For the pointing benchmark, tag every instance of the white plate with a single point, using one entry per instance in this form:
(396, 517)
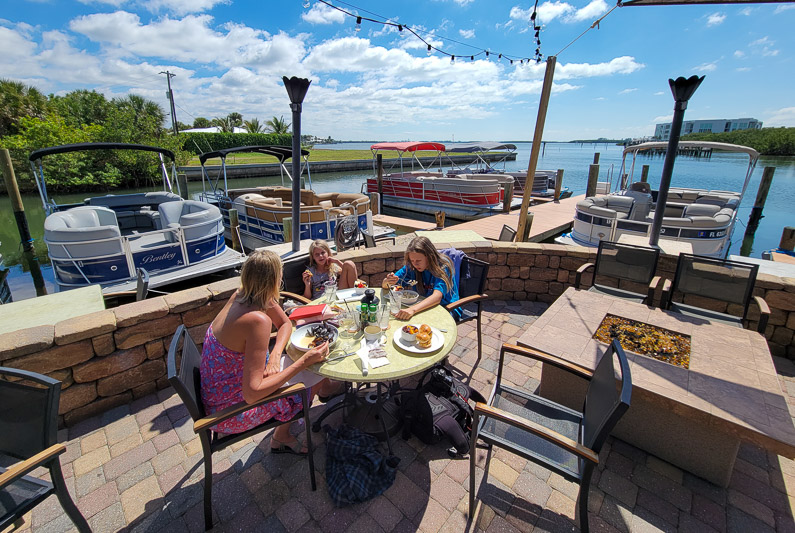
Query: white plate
(437, 341)
(348, 294)
(300, 333)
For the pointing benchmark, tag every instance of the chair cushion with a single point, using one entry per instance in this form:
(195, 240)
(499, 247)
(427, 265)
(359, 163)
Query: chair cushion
(546, 413)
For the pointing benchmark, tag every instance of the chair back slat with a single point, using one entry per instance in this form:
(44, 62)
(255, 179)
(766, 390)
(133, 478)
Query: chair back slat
(186, 381)
(28, 412)
(606, 402)
(628, 262)
(719, 279)
(472, 278)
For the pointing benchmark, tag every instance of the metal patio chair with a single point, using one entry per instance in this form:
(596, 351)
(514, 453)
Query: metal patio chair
(471, 292)
(29, 432)
(551, 435)
(186, 381)
(507, 233)
(624, 262)
(716, 279)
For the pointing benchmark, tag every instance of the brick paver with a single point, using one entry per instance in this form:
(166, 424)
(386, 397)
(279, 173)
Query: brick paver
(137, 468)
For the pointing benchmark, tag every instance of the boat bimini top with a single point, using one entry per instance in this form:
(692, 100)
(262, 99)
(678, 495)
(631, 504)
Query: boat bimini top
(413, 147)
(281, 153)
(38, 171)
(478, 149)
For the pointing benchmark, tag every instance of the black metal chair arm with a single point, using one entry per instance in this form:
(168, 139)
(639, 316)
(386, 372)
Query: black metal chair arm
(580, 272)
(468, 300)
(294, 296)
(234, 410)
(543, 357)
(764, 314)
(17, 470)
(539, 430)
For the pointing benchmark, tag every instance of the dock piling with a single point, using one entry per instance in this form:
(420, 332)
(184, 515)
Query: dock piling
(787, 239)
(16, 200)
(756, 211)
(234, 229)
(593, 177)
(644, 174)
(558, 184)
(182, 184)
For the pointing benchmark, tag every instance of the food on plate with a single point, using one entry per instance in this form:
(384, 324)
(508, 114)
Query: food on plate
(425, 328)
(408, 333)
(424, 340)
(359, 284)
(321, 333)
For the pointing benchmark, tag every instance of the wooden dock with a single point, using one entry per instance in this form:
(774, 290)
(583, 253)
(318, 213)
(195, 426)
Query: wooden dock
(550, 219)
(403, 225)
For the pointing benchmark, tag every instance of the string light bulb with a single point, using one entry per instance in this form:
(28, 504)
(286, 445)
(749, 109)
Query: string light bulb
(471, 58)
(358, 24)
(452, 59)
(400, 27)
(487, 53)
(430, 50)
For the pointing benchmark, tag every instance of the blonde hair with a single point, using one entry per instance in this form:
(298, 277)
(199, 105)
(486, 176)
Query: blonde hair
(260, 279)
(320, 243)
(436, 261)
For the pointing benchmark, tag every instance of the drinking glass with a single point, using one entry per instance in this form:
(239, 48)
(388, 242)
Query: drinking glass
(349, 327)
(394, 305)
(383, 317)
(330, 290)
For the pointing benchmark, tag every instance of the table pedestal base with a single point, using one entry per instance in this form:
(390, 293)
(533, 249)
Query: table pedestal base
(693, 445)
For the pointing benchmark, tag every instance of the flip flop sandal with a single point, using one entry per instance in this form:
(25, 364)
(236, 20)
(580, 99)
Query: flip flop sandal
(286, 448)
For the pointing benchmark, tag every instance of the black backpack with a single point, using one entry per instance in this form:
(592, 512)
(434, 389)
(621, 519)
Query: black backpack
(439, 408)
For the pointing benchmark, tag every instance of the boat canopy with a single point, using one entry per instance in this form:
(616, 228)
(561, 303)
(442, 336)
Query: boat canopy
(723, 147)
(469, 148)
(282, 153)
(408, 146)
(65, 148)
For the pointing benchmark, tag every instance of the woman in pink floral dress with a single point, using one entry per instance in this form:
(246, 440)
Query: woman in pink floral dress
(237, 364)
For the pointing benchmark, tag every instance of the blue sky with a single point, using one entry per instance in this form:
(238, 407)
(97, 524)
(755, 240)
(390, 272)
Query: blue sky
(380, 84)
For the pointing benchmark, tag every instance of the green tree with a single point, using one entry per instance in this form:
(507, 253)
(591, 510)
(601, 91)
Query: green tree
(236, 119)
(253, 126)
(201, 122)
(140, 114)
(224, 124)
(18, 100)
(81, 107)
(277, 125)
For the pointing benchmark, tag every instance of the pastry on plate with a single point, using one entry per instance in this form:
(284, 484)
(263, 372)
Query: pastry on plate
(423, 340)
(425, 328)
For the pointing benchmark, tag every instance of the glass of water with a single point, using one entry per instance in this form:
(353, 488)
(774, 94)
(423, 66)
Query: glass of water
(330, 290)
(383, 317)
(349, 327)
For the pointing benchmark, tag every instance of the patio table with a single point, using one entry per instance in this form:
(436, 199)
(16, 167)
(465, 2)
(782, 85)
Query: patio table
(402, 364)
(693, 417)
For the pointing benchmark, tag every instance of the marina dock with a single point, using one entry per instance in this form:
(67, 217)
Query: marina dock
(550, 219)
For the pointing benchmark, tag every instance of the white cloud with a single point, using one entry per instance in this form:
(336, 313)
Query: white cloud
(549, 11)
(706, 67)
(743, 69)
(783, 7)
(618, 65)
(746, 11)
(178, 7)
(739, 54)
(659, 93)
(114, 3)
(764, 46)
(467, 34)
(463, 2)
(627, 91)
(323, 14)
(715, 19)
(662, 119)
(592, 11)
(781, 117)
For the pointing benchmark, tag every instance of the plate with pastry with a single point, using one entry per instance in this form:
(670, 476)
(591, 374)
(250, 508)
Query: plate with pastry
(419, 339)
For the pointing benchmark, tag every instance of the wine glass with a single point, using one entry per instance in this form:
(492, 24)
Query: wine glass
(349, 327)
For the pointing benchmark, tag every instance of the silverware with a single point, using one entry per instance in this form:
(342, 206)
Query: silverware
(340, 356)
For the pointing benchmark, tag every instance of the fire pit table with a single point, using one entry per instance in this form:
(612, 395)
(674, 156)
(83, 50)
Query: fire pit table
(690, 411)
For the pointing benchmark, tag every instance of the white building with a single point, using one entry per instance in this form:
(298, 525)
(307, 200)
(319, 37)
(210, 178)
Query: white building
(718, 125)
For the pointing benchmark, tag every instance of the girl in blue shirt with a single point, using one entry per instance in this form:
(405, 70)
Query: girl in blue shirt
(434, 273)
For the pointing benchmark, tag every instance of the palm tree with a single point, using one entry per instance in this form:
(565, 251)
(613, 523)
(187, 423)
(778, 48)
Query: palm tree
(236, 119)
(18, 100)
(224, 124)
(144, 111)
(253, 126)
(277, 125)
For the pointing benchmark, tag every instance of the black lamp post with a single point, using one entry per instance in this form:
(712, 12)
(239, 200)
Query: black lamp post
(296, 90)
(682, 89)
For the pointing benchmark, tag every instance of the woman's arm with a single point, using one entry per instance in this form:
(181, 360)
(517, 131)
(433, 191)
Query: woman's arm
(284, 329)
(256, 384)
(434, 299)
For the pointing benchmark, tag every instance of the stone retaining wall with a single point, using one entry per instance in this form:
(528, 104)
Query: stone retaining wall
(108, 358)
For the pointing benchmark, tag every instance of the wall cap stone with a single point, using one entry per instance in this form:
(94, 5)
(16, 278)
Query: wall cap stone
(84, 326)
(188, 299)
(137, 312)
(26, 341)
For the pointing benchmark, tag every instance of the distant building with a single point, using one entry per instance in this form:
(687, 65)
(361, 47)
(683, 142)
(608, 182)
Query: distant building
(720, 125)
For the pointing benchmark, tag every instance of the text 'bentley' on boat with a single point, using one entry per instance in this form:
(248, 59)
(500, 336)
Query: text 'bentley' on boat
(265, 213)
(702, 218)
(108, 239)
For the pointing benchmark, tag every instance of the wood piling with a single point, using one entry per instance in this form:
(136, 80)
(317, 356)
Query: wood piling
(16, 200)
(558, 184)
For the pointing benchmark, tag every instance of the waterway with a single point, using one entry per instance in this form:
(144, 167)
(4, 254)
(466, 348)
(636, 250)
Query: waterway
(720, 171)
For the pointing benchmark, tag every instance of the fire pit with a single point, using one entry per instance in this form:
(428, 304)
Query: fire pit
(644, 339)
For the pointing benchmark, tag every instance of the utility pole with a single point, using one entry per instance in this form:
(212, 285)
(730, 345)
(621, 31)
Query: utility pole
(170, 96)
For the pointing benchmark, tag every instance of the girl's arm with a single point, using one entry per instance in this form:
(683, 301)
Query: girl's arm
(434, 299)
(284, 329)
(256, 384)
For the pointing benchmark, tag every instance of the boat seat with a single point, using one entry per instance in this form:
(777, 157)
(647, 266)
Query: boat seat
(133, 202)
(607, 206)
(82, 224)
(702, 210)
(720, 219)
(195, 218)
(641, 205)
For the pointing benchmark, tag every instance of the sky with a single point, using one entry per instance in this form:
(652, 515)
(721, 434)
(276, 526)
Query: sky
(379, 83)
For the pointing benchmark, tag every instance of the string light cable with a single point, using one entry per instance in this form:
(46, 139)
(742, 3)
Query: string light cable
(384, 21)
(592, 26)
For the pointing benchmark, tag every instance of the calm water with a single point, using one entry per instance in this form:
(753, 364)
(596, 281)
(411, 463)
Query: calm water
(721, 171)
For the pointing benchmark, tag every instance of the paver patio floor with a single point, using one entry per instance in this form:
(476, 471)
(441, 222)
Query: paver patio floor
(137, 468)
